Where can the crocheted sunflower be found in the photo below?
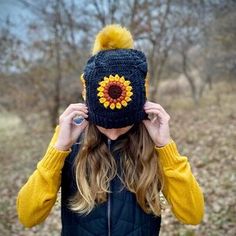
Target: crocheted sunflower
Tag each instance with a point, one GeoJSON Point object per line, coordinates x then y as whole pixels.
{"type": "Point", "coordinates": [114, 92]}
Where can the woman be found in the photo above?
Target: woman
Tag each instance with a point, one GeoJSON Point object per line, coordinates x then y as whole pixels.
{"type": "Point", "coordinates": [113, 163]}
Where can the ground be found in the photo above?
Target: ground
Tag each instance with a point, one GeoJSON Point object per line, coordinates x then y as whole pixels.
{"type": "Point", "coordinates": [206, 134]}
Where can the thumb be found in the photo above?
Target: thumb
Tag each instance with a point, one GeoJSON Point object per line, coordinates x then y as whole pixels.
{"type": "Point", "coordinates": [79, 127]}
{"type": "Point", "coordinates": [147, 123]}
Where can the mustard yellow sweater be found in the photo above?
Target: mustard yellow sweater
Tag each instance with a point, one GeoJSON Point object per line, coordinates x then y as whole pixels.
{"type": "Point", "coordinates": [37, 197]}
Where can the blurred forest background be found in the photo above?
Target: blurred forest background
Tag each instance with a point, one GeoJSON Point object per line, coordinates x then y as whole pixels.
{"type": "Point", "coordinates": [191, 49]}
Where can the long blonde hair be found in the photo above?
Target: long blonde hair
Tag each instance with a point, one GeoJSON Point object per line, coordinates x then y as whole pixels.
{"type": "Point", "coordinates": [95, 167]}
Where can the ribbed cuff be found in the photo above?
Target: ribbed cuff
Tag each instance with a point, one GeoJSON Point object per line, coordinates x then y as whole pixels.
{"type": "Point", "coordinates": [54, 159]}
{"type": "Point", "coordinates": [168, 154]}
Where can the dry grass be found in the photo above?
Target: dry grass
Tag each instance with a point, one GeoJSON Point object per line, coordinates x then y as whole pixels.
{"type": "Point", "coordinates": [206, 134]}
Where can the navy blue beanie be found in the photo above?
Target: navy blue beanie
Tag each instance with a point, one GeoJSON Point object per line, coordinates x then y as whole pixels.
{"type": "Point", "coordinates": [115, 87]}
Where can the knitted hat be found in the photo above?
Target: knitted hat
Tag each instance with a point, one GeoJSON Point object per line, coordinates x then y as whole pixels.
{"type": "Point", "coordinates": [114, 80]}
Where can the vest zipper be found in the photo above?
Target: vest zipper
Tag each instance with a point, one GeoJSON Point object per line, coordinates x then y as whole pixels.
{"type": "Point", "coordinates": [109, 200]}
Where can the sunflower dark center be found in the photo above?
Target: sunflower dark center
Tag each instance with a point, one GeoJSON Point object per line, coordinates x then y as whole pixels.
{"type": "Point", "coordinates": [114, 91]}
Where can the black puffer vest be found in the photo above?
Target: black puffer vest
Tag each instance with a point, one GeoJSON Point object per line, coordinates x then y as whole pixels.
{"type": "Point", "coordinates": [120, 215]}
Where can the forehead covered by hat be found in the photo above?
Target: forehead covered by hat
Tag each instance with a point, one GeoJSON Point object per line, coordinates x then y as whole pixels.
{"type": "Point", "coordinates": [114, 80]}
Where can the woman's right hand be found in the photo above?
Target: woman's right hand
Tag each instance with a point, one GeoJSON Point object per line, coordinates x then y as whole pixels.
{"type": "Point", "coordinates": [69, 130]}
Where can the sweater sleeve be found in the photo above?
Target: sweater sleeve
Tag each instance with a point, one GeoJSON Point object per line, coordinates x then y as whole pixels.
{"type": "Point", "coordinates": [37, 197]}
{"type": "Point", "coordinates": [180, 187]}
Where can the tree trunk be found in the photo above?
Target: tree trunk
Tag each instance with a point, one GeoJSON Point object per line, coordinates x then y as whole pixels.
{"type": "Point", "coordinates": [189, 78]}
{"type": "Point", "coordinates": [57, 92]}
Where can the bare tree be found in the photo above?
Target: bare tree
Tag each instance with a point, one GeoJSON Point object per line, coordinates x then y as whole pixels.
{"type": "Point", "coordinates": [56, 25]}
{"type": "Point", "coordinates": [62, 32]}
{"type": "Point", "coordinates": [150, 23]}
{"type": "Point", "coordinates": [190, 33]}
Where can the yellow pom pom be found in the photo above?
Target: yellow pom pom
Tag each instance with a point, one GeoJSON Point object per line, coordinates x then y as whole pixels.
{"type": "Point", "coordinates": [113, 37]}
{"type": "Point", "coordinates": [84, 87]}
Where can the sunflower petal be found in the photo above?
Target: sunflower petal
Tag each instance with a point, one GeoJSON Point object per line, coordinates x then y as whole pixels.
{"type": "Point", "coordinates": [127, 99]}
{"type": "Point", "coordinates": [100, 89]}
{"type": "Point", "coordinates": [124, 103]}
{"type": "Point", "coordinates": [127, 82]}
{"type": "Point", "coordinates": [106, 104]}
{"type": "Point", "coordinates": [118, 105]}
{"type": "Point", "coordinates": [112, 106]}
{"type": "Point", "coordinates": [100, 94]}
{"type": "Point", "coordinates": [102, 100]}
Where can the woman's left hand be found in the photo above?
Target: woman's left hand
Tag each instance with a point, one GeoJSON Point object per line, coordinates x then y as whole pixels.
{"type": "Point", "coordinates": [158, 126]}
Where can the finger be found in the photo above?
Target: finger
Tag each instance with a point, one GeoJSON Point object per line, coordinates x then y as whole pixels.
{"type": "Point", "coordinates": [74, 107]}
{"type": "Point", "coordinates": [157, 109]}
{"type": "Point", "coordinates": [149, 124]}
{"type": "Point", "coordinates": [154, 111]}
{"type": "Point", "coordinates": [84, 124]}
{"type": "Point", "coordinates": [78, 129]}
{"type": "Point", "coordinates": [161, 114]}
{"type": "Point", "coordinates": [71, 110]}
{"type": "Point", "coordinates": [146, 123]}
{"type": "Point", "coordinates": [73, 114]}
{"type": "Point", "coordinates": [151, 105]}
{"type": "Point", "coordinates": [154, 106]}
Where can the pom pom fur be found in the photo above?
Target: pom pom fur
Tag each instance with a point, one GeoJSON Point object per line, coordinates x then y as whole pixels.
{"type": "Point", "coordinates": [113, 37]}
